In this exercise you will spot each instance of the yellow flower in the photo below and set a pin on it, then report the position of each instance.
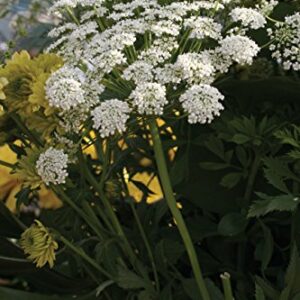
(38, 243)
(3, 83)
(23, 89)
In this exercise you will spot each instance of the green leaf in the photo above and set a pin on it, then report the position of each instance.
(268, 290)
(270, 204)
(216, 146)
(145, 295)
(241, 139)
(242, 155)
(212, 166)
(259, 293)
(127, 279)
(232, 224)
(267, 247)
(292, 276)
(231, 180)
(276, 172)
(191, 289)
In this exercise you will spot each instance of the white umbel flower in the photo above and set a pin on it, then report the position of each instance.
(64, 88)
(286, 41)
(203, 27)
(111, 117)
(240, 49)
(52, 166)
(149, 98)
(248, 17)
(202, 103)
(139, 71)
(195, 67)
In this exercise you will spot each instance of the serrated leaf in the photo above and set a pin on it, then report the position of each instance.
(276, 203)
(276, 172)
(232, 224)
(268, 290)
(231, 180)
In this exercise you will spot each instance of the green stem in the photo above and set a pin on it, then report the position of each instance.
(6, 164)
(26, 131)
(83, 255)
(64, 197)
(71, 15)
(227, 286)
(171, 201)
(147, 245)
(91, 179)
(251, 179)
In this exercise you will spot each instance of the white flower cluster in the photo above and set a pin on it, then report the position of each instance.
(203, 27)
(250, 18)
(201, 102)
(240, 49)
(148, 57)
(52, 166)
(149, 98)
(286, 41)
(111, 116)
(64, 88)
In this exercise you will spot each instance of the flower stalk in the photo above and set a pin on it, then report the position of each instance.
(171, 201)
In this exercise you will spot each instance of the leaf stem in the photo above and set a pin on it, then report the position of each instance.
(147, 245)
(6, 164)
(83, 255)
(171, 201)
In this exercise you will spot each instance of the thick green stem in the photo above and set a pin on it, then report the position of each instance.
(227, 286)
(171, 201)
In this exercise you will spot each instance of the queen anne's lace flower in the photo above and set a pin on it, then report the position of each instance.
(52, 166)
(203, 27)
(286, 41)
(195, 67)
(202, 103)
(145, 53)
(248, 17)
(139, 71)
(64, 88)
(111, 117)
(149, 98)
(240, 49)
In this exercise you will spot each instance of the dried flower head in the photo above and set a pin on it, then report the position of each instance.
(38, 243)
